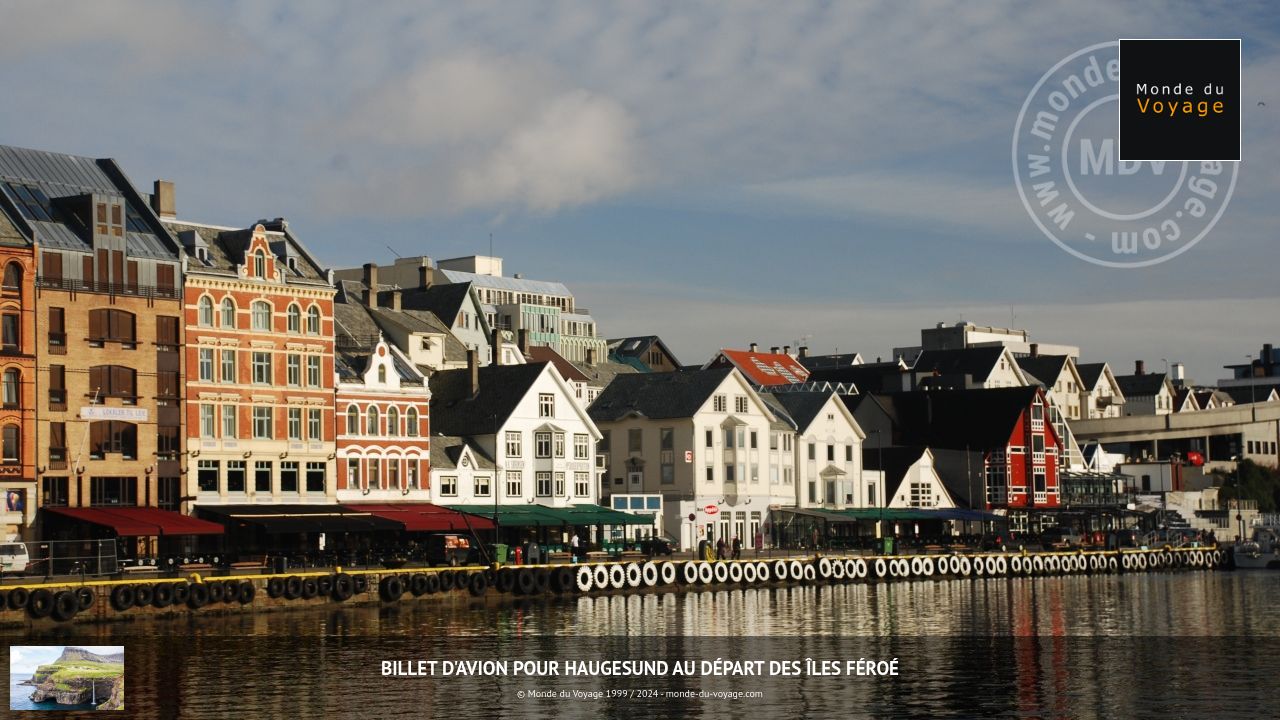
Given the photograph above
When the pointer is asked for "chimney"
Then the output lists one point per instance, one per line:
(426, 276)
(496, 342)
(162, 200)
(1139, 368)
(523, 338)
(786, 349)
(754, 347)
(774, 349)
(804, 351)
(591, 356)
(371, 285)
(473, 368)
(1267, 353)
(1035, 349)
(394, 299)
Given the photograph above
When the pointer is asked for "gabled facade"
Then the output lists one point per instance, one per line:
(967, 369)
(705, 441)
(828, 451)
(1100, 394)
(912, 479)
(647, 353)
(461, 472)
(384, 428)
(1146, 393)
(259, 363)
(18, 389)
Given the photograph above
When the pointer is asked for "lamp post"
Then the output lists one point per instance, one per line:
(880, 500)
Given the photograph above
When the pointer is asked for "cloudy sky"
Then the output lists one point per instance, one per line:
(836, 174)
(24, 659)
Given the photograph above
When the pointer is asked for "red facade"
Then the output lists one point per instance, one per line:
(1025, 474)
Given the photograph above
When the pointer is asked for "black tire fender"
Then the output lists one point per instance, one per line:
(446, 580)
(65, 606)
(162, 596)
(181, 593)
(122, 597)
(324, 585)
(198, 596)
(40, 604)
(275, 587)
(478, 585)
(362, 583)
(246, 592)
(433, 584)
(343, 587)
(292, 587)
(391, 588)
(418, 584)
(143, 595)
(217, 592)
(85, 597)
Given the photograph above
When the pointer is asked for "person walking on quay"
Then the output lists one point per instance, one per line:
(720, 549)
(759, 542)
(815, 537)
(737, 548)
(574, 547)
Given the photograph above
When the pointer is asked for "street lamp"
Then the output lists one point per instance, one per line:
(880, 500)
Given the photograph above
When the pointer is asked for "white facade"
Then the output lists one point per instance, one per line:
(922, 487)
(1104, 399)
(468, 480)
(828, 458)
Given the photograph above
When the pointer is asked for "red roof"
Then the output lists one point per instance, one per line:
(544, 353)
(762, 368)
(141, 521)
(425, 517)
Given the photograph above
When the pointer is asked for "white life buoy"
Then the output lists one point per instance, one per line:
(749, 573)
(837, 570)
(810, 572)
(917, 566)
(721, 570)
(602, 576)
(617, 576)
(735, 572)
(881, 567)
(762, 572)
(667, 573)
(824, 568)
(851, 569)
(584, 578)
(634, 575)
(780, 570)
(649, 574)
(706, 573)
(1037, 565)
(927, 567)
(966, 567)
(860, 568)
(689, 573)
(1002, 565)
(795, 570)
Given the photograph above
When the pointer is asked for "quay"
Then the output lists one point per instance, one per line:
(48, 604)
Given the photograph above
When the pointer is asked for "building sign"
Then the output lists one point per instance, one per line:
(711, 509)
(688, 456)
(97, 412)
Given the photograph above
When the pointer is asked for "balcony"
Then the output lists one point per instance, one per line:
(90, 286)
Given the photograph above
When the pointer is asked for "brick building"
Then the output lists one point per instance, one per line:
(17, 391)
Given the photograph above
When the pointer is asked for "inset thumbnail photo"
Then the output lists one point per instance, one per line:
(64, 677)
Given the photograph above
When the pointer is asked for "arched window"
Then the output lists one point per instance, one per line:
(11, 452)
(411, 422)
(382, 374)
(205, 311)
(371, 421)
(295, 319)
(313, 320)
(393, 422)
(12, 381)
(228, 313)
(260, 264)
(13, 278)
(261, 315)
(353, 420)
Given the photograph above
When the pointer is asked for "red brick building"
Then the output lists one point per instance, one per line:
(17, 383)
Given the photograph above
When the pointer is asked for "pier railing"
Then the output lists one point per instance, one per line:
(85, 558)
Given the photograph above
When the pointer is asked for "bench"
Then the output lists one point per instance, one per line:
(136, 569)
(558, 557)
(258, 563)
(194, 567)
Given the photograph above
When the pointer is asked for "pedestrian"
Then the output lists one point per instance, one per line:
(759, 542)
(720, 549)
(737, 548)
(574, 547)
(815, 537)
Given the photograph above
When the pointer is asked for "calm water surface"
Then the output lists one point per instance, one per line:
(1159, 645)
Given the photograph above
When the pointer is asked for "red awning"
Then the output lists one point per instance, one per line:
(425, 517)
(141, 521)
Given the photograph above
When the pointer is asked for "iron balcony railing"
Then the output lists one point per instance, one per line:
(145, 291)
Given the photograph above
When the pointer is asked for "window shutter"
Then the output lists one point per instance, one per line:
(97, 381)
(132, 275)
(57, 377)
(52, 266)
(98, 323)
(164, 278)
(86, 274)
(58, 435)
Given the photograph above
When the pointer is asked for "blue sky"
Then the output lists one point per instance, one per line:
(833, 173)
(26, 658)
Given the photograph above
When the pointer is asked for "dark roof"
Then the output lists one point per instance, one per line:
(803, 407)
(600, 374)
(362, 325)
(637, 348)
(869, 377)
(425, 322)
(225, 249)
(545, 353)
(1249, 394)
(1089, 373)
(34, 183)
(1044, 368)
(813, 362)
(897, 461)
(445, 301)
(455, 411)
(350, 363)
(976, 362)
(657, 395)
(9, 232)
(447, 449)
(1145, 385)
(980, 419)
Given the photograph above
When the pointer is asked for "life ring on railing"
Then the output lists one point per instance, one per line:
(667, 573)
(122, 597)
(584, 578)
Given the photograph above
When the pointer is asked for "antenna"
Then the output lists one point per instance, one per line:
(393, 251)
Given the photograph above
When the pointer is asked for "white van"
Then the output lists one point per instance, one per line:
(13, 558)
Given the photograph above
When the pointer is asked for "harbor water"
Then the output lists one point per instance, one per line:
(1160, 645)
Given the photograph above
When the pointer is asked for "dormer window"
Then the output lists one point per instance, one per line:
(292, 262)
(382, 374)
(202, 254)
(260, 264)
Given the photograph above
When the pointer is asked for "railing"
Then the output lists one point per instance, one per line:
(71, 557)
(146, 291)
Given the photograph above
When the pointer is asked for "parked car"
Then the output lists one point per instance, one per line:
(1061, 538)
(452, 550)
(13, 558)
(657, 546)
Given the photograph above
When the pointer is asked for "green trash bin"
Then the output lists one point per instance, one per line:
(888, 544)
(500, 552)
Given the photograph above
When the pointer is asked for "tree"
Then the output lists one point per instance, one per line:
(1254, 482)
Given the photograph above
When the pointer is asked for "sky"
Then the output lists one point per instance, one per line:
(25, 659)
(829, 174)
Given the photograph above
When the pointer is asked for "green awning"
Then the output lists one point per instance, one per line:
(588, 514)
(545, 516)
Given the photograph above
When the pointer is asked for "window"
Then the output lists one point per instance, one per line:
(262, 420)
(482, 485)
(9, 334)
(513, 444)
(848, 453)
(12, 383)
(294, 374)
(261, 315)
(581, 446)
(711, 438)
(514, 480)
(813, 451)
(730, 473)
(113, 381)
(740, 404)
(313, 320)
(719, 403)
(113, 491)
(261, 368)
(235, 476)
(260, 264)
(635, 440)
(921, 495)
(208, 423)
(753, 440)
(582, 484)
(110, 325)
(831, 453)
(411, 422)
(315, 477)
(294, 316)
(728, 438)
(353, 420)
(313, 371)
(543, 485)
(353, 473)
(207, 475)
(228, 313)
(57, 331)
(206, 364)
(289, 477)
(58, 444)
(559, 484)
(558, 450)
(411, 478)
(204, 311)
(228, 366)
(382, 374)
(542, 445)
(230, 429)
(393, 422)
(11, 446)
(295, 423)
(262, 476)
(315, 424)
(12, 278)
(449, 485)
(546, 405)
(393, 473)
(372, 426)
